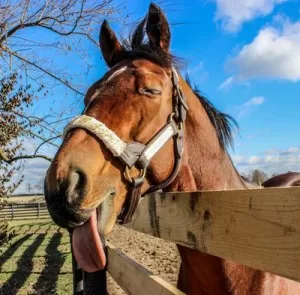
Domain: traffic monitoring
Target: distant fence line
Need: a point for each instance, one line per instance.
(24, 211)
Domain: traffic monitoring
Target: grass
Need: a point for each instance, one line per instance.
(37, 260)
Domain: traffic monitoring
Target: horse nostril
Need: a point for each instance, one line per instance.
(77, 185)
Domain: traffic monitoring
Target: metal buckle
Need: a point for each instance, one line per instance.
(128, 176)
(170, 118)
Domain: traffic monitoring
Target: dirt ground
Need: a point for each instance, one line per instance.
(156, 255)
(38, 259)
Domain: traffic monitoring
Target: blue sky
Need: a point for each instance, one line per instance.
(244, 56)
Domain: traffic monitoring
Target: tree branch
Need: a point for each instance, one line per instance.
(39, 137)
(45, 71)
(47, 141)
(10, 161)
(29, 157)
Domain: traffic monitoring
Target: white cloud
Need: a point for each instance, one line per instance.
(275, 161)
(274, 54)
(245, 108)
(226, 84)
(291, 151)
(233, 13)
(34, 170)
(254, 160)
(198, 70)
(198, 67)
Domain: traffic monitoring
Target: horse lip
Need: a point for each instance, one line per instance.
(71, 218)
(68, 217)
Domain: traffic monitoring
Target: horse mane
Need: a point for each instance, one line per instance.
(137, 45)
(224, 124)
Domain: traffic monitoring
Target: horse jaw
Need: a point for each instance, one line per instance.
(106, 217)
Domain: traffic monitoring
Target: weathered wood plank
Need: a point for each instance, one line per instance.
(257, 228)
(133, 278)
(28, 217)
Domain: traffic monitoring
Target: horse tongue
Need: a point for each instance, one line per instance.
(87, 246)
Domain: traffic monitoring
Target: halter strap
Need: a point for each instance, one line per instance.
(138, 154)
(107, 136)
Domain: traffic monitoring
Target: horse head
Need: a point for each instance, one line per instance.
(128, 140)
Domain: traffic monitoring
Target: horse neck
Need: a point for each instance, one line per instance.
(206, 164)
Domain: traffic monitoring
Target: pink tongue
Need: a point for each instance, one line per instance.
(87, 246)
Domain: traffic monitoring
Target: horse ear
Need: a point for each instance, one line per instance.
(158, 29)
(109, 44)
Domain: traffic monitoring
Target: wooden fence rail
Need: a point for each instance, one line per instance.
(24, 211)
(133, 278)
(259, 228)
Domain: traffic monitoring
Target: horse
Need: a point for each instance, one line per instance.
(286, 179)
(144, 129)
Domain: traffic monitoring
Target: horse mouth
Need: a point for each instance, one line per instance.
(87, 245)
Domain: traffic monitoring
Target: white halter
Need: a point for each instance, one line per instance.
(114, 143)
(110, 139)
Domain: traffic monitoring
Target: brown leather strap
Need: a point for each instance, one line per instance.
(132, 200)
(134, 154)
(178, 149)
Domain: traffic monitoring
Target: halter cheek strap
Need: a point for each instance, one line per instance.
(137, 154)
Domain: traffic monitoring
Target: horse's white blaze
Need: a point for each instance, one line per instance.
(113, 75)
(116, 73)
(98, 92)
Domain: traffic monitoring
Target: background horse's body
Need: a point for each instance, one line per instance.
(135, 101)
(286, 179)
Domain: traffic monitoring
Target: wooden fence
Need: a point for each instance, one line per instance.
(24, 211)
(259, 228)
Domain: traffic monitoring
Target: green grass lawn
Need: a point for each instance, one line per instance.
(37, 260)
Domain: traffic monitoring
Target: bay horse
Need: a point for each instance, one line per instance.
(286, 179)
(145, 129)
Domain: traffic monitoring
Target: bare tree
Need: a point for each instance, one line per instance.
(29, 187)
(68, 22)
(35, 38)
(258, 176)
(14, 126)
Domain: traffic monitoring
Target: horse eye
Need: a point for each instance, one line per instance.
(149, 91)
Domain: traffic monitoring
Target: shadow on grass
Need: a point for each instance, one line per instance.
(12, 249)
(34, 228)
(47, 281)
(17, 280)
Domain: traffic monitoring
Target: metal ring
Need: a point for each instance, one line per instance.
(180, 126)
(128, 176)
(170, 118)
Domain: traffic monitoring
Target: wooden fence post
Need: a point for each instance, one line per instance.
(85, 283)
(95, 283)
(77, 274)
(12, 211)
(38, 207)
